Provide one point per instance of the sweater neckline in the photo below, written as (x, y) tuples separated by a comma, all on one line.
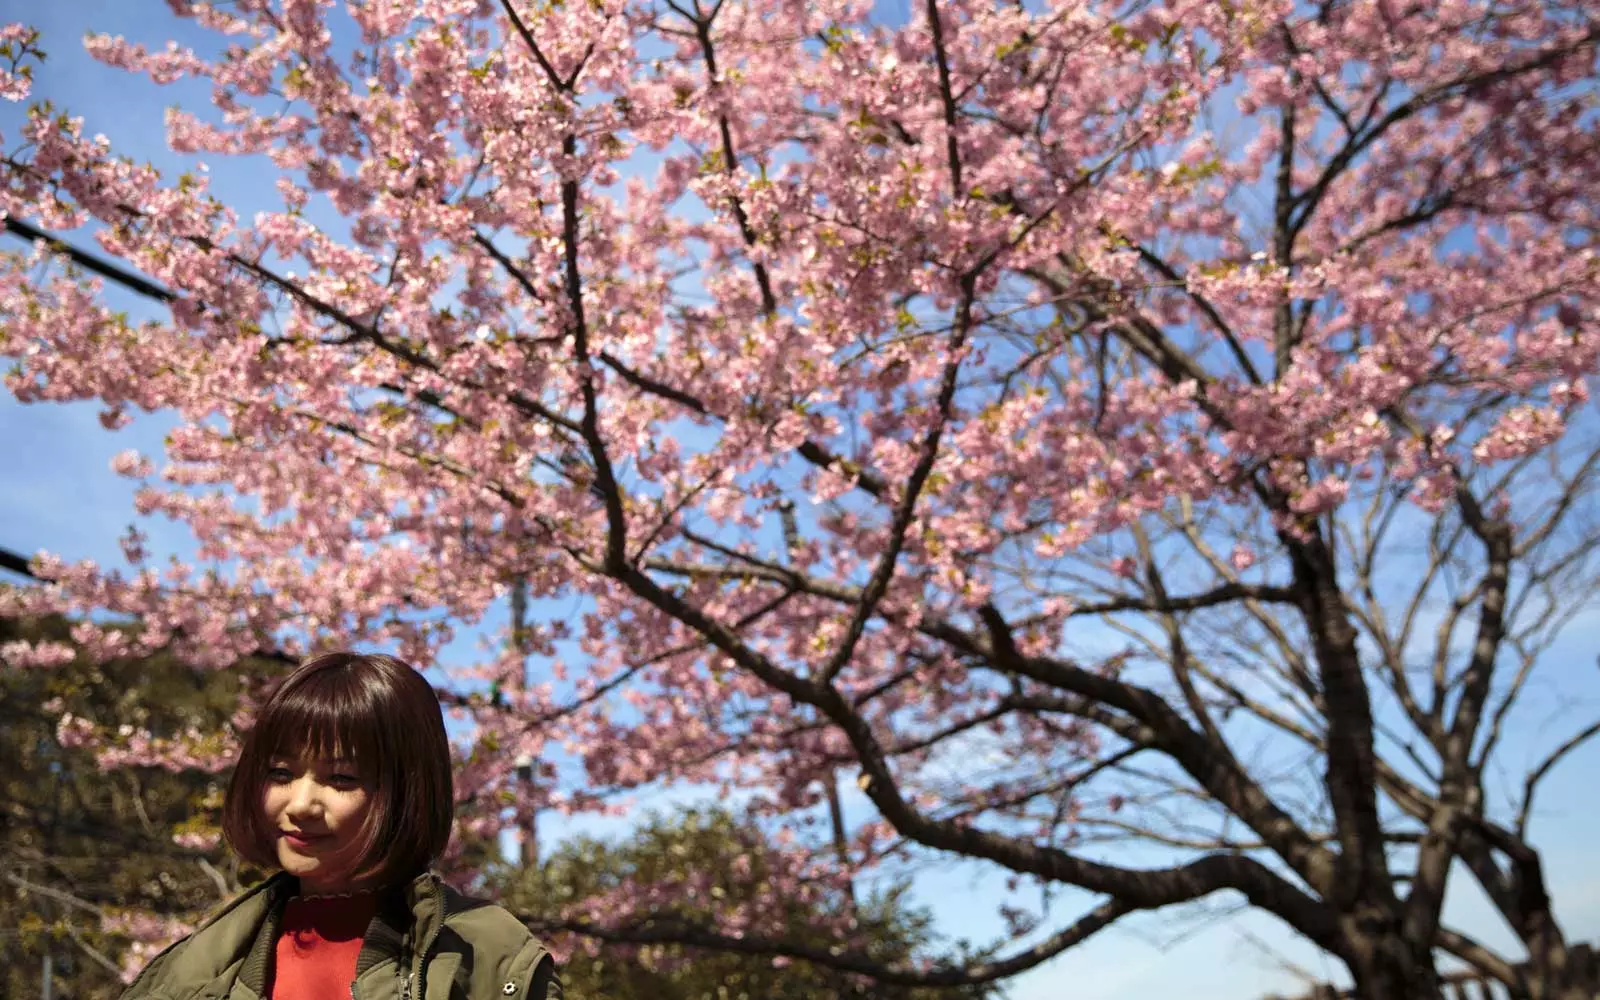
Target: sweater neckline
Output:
[(318, 897)]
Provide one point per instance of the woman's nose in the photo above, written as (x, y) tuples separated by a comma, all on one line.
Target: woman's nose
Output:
[(303, 800)]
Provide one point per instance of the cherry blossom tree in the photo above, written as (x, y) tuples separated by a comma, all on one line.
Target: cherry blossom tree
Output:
[(1023, 412)]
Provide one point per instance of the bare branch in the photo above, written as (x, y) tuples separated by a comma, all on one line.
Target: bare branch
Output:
[(1531, 784)]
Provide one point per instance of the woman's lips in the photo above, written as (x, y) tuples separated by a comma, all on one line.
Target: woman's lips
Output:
[(302, 839)]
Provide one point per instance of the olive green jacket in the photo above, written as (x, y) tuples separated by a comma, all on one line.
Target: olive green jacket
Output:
[(427, 942)]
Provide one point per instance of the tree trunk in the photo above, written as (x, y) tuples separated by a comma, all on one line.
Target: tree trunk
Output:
[(1384, 965)]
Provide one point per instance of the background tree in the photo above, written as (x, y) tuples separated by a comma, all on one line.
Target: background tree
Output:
[(99, 863), (1027, 413), (708, 872)]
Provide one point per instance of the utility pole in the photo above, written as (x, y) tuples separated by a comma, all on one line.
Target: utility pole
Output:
[(528, 845)]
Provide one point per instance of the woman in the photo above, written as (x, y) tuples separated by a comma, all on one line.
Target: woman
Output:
[(343, 783)]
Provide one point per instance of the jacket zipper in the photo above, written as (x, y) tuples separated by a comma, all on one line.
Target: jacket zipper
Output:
[(421, 954)]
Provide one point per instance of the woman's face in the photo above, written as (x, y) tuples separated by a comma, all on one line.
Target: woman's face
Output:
[(315, 808)]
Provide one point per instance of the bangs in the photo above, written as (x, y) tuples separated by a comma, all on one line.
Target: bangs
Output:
[(330, 715)]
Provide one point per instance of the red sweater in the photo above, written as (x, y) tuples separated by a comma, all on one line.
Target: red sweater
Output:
[(318, 943)]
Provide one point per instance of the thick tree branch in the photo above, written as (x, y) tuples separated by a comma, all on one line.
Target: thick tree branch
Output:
[(17, 563), (1283, 236), (365, 332), (1476, 955), (1142, 889), (666, 930), (1230, 338), (1212, 765), (1351, 757), (1226, 593), (1459, 793), (905, 510), (89, 262), (562, 85)]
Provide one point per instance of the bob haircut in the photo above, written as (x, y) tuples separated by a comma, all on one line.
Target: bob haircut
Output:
[(378, 712)]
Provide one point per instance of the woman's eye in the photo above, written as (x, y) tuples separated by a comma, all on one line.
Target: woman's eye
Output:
[(346, 780), (279, 774)]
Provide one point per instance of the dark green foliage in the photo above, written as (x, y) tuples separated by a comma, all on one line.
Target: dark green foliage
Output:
[(85, 840), (702, 846)]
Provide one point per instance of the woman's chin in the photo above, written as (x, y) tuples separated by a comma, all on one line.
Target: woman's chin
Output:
[(298, 864)]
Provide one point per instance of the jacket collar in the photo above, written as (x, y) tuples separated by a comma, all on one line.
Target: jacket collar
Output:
[(242, 937)]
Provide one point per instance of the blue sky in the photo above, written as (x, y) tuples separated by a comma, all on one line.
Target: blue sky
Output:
[(60, 495)]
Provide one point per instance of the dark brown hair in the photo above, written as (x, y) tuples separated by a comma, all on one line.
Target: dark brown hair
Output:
[(385, 716)]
